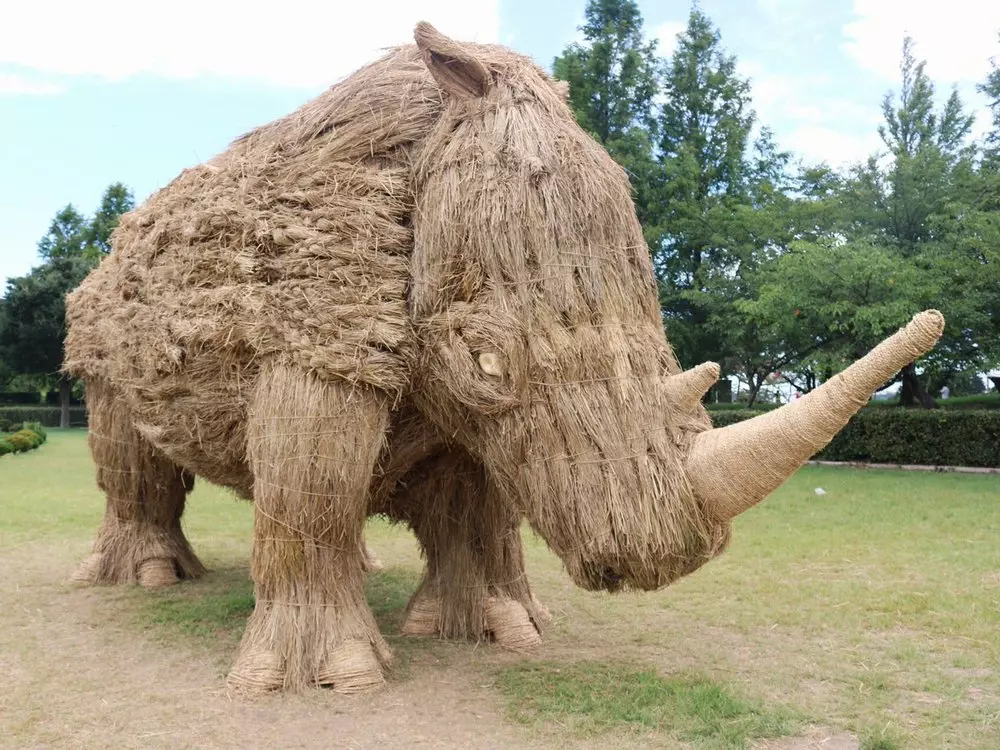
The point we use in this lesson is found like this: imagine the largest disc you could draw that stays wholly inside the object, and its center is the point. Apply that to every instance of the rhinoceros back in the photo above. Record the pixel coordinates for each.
(293, 245)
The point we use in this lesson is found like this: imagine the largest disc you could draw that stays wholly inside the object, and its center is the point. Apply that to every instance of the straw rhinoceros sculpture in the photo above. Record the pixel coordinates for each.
(424, 294)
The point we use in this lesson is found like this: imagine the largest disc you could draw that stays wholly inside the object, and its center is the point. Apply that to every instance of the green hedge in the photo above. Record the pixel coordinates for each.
(27, 438)
(48, 416)
(982, 401)
(757, 407)
(937, 437)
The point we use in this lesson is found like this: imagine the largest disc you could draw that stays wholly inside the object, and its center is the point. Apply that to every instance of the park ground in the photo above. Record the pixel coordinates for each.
(868, 617)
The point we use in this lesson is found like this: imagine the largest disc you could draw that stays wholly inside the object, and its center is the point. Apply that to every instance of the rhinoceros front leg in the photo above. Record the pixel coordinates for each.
(312, 446)
(475, 585)
(140, 539)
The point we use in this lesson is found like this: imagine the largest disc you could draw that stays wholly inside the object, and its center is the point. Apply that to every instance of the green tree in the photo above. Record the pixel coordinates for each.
(720, 205)
(612, 83)
(6, 371)
(67, 236)
(33, 321)
(33, 310)
(927, 149)
(844, 297)
(612, 76)
(117, 200)
(990, 88)
(905, 204)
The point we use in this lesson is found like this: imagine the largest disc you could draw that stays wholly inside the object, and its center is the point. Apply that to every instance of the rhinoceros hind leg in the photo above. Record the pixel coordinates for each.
(474, 587)
(311, 624)
(140, 539)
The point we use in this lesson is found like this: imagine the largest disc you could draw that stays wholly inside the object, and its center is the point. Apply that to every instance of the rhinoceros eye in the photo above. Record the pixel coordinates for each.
(489, 362)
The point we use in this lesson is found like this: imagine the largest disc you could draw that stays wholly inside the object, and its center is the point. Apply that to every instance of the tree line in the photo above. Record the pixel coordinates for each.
(777, 269)
(773, 268)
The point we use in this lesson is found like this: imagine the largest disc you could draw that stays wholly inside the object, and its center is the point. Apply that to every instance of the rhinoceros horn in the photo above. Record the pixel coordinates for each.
(687, 388)
(733, 468)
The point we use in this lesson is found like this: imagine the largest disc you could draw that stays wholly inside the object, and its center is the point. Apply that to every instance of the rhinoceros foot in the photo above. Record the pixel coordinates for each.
(295, 646)
(139, 553)
(499, 619)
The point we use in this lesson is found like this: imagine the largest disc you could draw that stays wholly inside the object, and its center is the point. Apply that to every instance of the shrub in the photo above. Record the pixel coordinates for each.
(37, 428)
(34, 437)
(14, 427)
(21, 441)
(20, 397)
(6, 447)
(52, 399)
(47, 416)
(981, 401)
(4, 424)
(936, 437)
(732, 416)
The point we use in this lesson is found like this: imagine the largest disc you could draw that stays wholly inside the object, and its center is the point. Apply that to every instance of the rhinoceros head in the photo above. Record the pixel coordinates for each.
(542, 346)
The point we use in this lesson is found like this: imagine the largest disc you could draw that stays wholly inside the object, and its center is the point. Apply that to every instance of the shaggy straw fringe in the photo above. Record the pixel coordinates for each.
(387, 235)
(528, 249)
(292, 246)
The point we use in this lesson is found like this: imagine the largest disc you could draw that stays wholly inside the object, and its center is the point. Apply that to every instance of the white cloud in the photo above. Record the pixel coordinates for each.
(666, 36)
(809, 121)
(12, 84)
(292, 43)
(836, 147)
(803, 98)
(957, 39)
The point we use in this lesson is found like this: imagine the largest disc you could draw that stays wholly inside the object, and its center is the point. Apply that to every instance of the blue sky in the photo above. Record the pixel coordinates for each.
(110, 90)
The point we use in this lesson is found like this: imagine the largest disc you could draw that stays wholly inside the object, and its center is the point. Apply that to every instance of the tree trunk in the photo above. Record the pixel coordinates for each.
(913, 393)
(65, 388)
(754, 385)
(996, 382)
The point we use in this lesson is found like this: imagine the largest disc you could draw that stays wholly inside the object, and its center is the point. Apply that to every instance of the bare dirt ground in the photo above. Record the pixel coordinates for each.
(77, 676)
(74, 679)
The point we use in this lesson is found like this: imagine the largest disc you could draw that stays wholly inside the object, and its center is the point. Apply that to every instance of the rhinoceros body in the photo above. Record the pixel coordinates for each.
(424, 294)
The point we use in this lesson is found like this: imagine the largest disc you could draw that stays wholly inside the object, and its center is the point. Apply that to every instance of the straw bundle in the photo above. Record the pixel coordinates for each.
(528, 251)
(292, 246)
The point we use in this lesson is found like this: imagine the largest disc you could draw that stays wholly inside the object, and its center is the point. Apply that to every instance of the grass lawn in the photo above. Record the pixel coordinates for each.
(872, 610)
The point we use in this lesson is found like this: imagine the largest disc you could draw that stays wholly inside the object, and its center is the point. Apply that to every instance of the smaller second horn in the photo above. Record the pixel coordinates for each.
(687, 388)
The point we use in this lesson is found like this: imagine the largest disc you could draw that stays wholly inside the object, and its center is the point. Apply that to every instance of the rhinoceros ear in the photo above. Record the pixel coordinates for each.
(455, 69)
